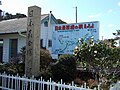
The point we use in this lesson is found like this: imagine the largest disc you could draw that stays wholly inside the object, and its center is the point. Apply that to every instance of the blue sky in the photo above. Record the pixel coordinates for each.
(107, 12)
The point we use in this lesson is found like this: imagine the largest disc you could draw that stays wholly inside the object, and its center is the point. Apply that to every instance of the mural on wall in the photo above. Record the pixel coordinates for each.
(65, 36)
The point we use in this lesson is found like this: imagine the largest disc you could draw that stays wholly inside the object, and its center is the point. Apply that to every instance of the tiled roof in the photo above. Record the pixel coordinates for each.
(15, 25)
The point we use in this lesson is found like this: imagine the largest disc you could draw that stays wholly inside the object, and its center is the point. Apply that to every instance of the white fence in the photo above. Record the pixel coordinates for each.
(115, 86)
(8, 82)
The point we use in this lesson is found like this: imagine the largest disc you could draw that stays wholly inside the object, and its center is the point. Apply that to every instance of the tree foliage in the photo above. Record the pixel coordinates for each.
(61, 21)
(17, 63)
(64, 68)
(11, 16)
(45, 59)
(99, 57)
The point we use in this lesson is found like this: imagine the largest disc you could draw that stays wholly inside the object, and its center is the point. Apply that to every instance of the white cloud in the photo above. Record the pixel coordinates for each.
(110, 10)
(112, 25)
(94, 16)
(118, 3)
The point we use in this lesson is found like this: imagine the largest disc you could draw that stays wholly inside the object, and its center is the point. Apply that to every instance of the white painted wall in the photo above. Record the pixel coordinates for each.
(6, 38)
(46, 34)
(21, 43)
(5, 50)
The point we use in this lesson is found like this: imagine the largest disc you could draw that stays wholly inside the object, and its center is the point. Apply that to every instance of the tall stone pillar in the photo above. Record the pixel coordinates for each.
(32, 61)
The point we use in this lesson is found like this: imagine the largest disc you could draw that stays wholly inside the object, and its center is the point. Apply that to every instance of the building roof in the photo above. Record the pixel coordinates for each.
(16, 25)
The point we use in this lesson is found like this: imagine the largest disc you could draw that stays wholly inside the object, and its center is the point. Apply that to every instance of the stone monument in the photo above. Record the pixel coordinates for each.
(32, 60)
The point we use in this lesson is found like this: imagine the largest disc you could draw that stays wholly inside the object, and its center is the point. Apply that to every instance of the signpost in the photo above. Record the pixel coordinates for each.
(65, 36)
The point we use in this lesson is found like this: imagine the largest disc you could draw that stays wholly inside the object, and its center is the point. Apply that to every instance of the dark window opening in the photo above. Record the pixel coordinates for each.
(41, 44)
(49, 43)
(13, 48)
(46, 24)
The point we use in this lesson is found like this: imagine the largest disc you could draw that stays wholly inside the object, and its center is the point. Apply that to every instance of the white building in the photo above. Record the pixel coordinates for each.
(13, 35)
(57, 38)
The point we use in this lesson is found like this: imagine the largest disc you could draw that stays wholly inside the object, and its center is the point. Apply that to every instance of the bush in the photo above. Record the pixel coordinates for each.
(17, 64)
(64, 68)
(10, 68)
(45, 60)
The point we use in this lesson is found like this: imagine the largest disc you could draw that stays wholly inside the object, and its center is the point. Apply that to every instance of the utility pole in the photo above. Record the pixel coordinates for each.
(76, 13)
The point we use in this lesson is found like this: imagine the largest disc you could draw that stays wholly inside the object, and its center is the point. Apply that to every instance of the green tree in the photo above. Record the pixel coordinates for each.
(64, 68)
(113, 42)
(17, 64)
(8, 16)
(98, 57)
(45, 59)
(61, 21)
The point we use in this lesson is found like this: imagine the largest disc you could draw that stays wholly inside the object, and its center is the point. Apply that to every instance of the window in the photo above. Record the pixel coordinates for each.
(13, 47)
(49, 43)
(41, 43)
(46, 24)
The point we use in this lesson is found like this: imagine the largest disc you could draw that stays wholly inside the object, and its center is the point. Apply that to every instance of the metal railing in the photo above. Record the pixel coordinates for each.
(8, 82)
